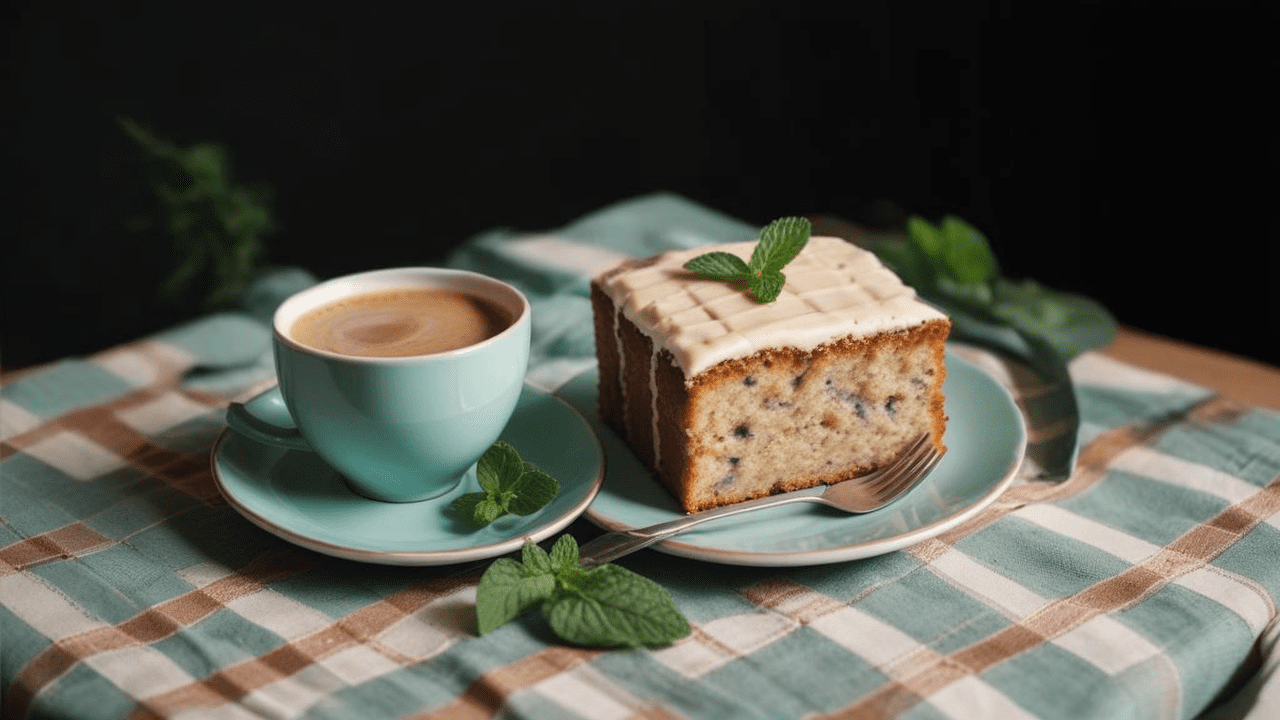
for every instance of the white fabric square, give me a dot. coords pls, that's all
(592, 694)
(167, 411)
(358, 664)
(139, 671)
(723, 639)
(433, 628)
(46, 610)
(130, 365)
(1107, 643)
(291, 696)
(874, 640)
(281, 615)
(75, 456)
(202, 574)
(970, 697)
(15, 420)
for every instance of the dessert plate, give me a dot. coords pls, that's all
(295, 495)
(985, 438)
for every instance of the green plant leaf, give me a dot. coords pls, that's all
(606, 605)
(535, 559)
(780, 242)
(509, 485)
(499, 467)
(952, 265)
(1068, 323)
(968, 255)
(488, 509)
(611, 606)
(768, 285)
(721, 266)
(215, 225)
(564, 554)
(507, 590)
(464, 506)
(532, 491)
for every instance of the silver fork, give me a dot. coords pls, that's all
(856, 495)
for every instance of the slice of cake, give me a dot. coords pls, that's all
(727, 398)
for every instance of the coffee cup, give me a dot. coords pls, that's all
(399, 379)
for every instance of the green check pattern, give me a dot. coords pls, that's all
(1143, 587)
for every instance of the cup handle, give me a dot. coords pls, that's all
(265, 418)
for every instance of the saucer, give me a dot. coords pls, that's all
(295, 495)
(986, 440)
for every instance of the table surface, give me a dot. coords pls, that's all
(1143, 585)
(1245, 380)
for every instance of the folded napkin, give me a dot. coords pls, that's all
(1143, 586)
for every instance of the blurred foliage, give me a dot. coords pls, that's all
(952, 265)
(215, 225)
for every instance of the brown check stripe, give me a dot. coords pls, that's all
(185, 471)
(234, 682)
(924, 672)
(913, 678)
(72, 540)
(149, 626)
(1193, 550)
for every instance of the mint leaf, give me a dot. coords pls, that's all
(535, 559)
(952, 265)
(499, 465)
(507, 590)
(1069, 324)
(968, 254)
(509, 486)
(606, 605)
(609, 605)
(767, 285)
(532, 491)
(564, 554)
(780, 242)
(487, 510)
(721, 266)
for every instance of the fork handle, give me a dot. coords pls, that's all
(613, 545)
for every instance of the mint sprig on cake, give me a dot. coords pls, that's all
(780, 242)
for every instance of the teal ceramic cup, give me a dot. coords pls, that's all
(399, 429)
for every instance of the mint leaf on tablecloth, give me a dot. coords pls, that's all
(611, 606)
(780, 242)
(507, 590)
(564, 553)
(509, 486)
(601, 606)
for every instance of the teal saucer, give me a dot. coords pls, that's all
(986, 440)
(296, 496)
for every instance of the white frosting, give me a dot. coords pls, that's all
(834, 290)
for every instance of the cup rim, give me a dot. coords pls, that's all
(332, 289)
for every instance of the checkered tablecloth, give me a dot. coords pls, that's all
(1143, 587)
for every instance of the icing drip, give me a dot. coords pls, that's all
(653, 406)
(622, 359)
(834, 289)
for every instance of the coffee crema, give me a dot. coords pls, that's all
(400, 322)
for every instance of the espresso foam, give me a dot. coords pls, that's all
(400, 323)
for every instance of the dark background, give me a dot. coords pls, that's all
(1121, 150)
